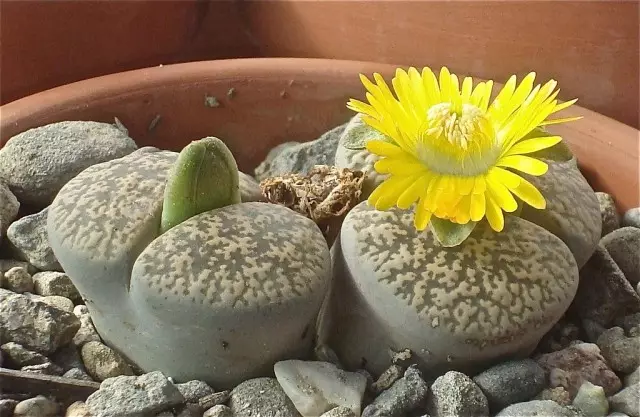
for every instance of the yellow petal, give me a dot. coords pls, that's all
(525, 164)
(445, 84)
(508, 178)
(501, 195)
(494, 215)
(413, 192)
(556, 121)
(533, 145)
(386, 149)
(480, 185)
(463, 210)
(362, 107)
(422, 215)
(399, 166)
(431, 88)
(478, 206)
(528, 193)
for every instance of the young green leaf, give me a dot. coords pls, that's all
(451, 234)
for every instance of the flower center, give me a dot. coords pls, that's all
(458, 141)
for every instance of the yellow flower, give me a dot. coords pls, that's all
(452, 150)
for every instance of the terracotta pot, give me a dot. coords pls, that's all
(277, 100)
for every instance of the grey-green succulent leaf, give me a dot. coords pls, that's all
(450, 234)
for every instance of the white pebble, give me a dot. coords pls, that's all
(17, 279)
(39, 406)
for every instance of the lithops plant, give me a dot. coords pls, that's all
(182, 276)
(450, 256)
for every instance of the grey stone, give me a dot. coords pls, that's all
(591, 400)
(576, 364)
(18, 279)
(511, 382)
(87, 332)
(78, 409)
(7, 406)
(47, 368)
(191, 410)
(315, 387)
(192, 391)
(558, 394)
(632, 217)
(214, 399)
(538, 408)
(622, 353)
(102, 362)
(261, 397)
(35, 325)
(631, 324)
(28, 235)
(406, 395)
(627, 401)
(36, 163)
(68, 357)
(55, 283)
(604, 293)
(131, 396)
(77, 373)
(17, 356)
(609, 212)
(9, 207)
(218, 411)
(339, 412)
(633, 378)
(39, 406)
(455, 393)
(57, 301)
(387, 378)
(624, 247)
(296, 157)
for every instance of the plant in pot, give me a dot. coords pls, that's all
(463, 225)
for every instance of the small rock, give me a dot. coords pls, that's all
(191, 410)
(633, 378)
(142, 395)
(78, 409)
(339, 412)
(620, 352)
(9, 207)
(557, 394)
(261, 397)
(55, 283)
(632, 217)
(407, 394)
(604, 293)
(574, 365)
(315, 387)
(36, 163)
(35, 325)
(67, 358)
(57, 301)
(631, 324)
(616, 414)
(39, 406)
(216, 398)
(18, 279)
(295, 157)
(102, 362)
(538, 408)
(387, 378)
(6, 407)
(87, 332)
(17, 356)
(29, 237)
(77, 373)
(627, 401)
(511, 382)
(218, 411)
(455, 393)
(591, 400)
(609, 212)
(47, 368)
(402, 357)
(192, 391)
(624, 247)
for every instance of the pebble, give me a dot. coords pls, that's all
(455, 393)
(624, 247)
(55, 283)
(218, 411)
(576, 364)
(604, 293)
(35, 164)
(407, 394)
(57, 301)
(47, 368)
(9, 208)
(191, 410)
(511, 382)
(609, 212)
(591, 400)
(87, 332)
(538, 408)
(632, 217)
(18, 356)
(387, 378)
(261, 397)
(633, 378)
(627, 401)
(29, 237)
(192, 391)
(78, 409)
(216, 398)
(557, 394)
(315, 387)
(6, 407)
(67, 358)
(77, 373)
(142, 395)
(18, 279)
(339, 412)
(620, 352)
(35, 325)
(631, 324)
(39, 406)
(102, 362)
(298, 157)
